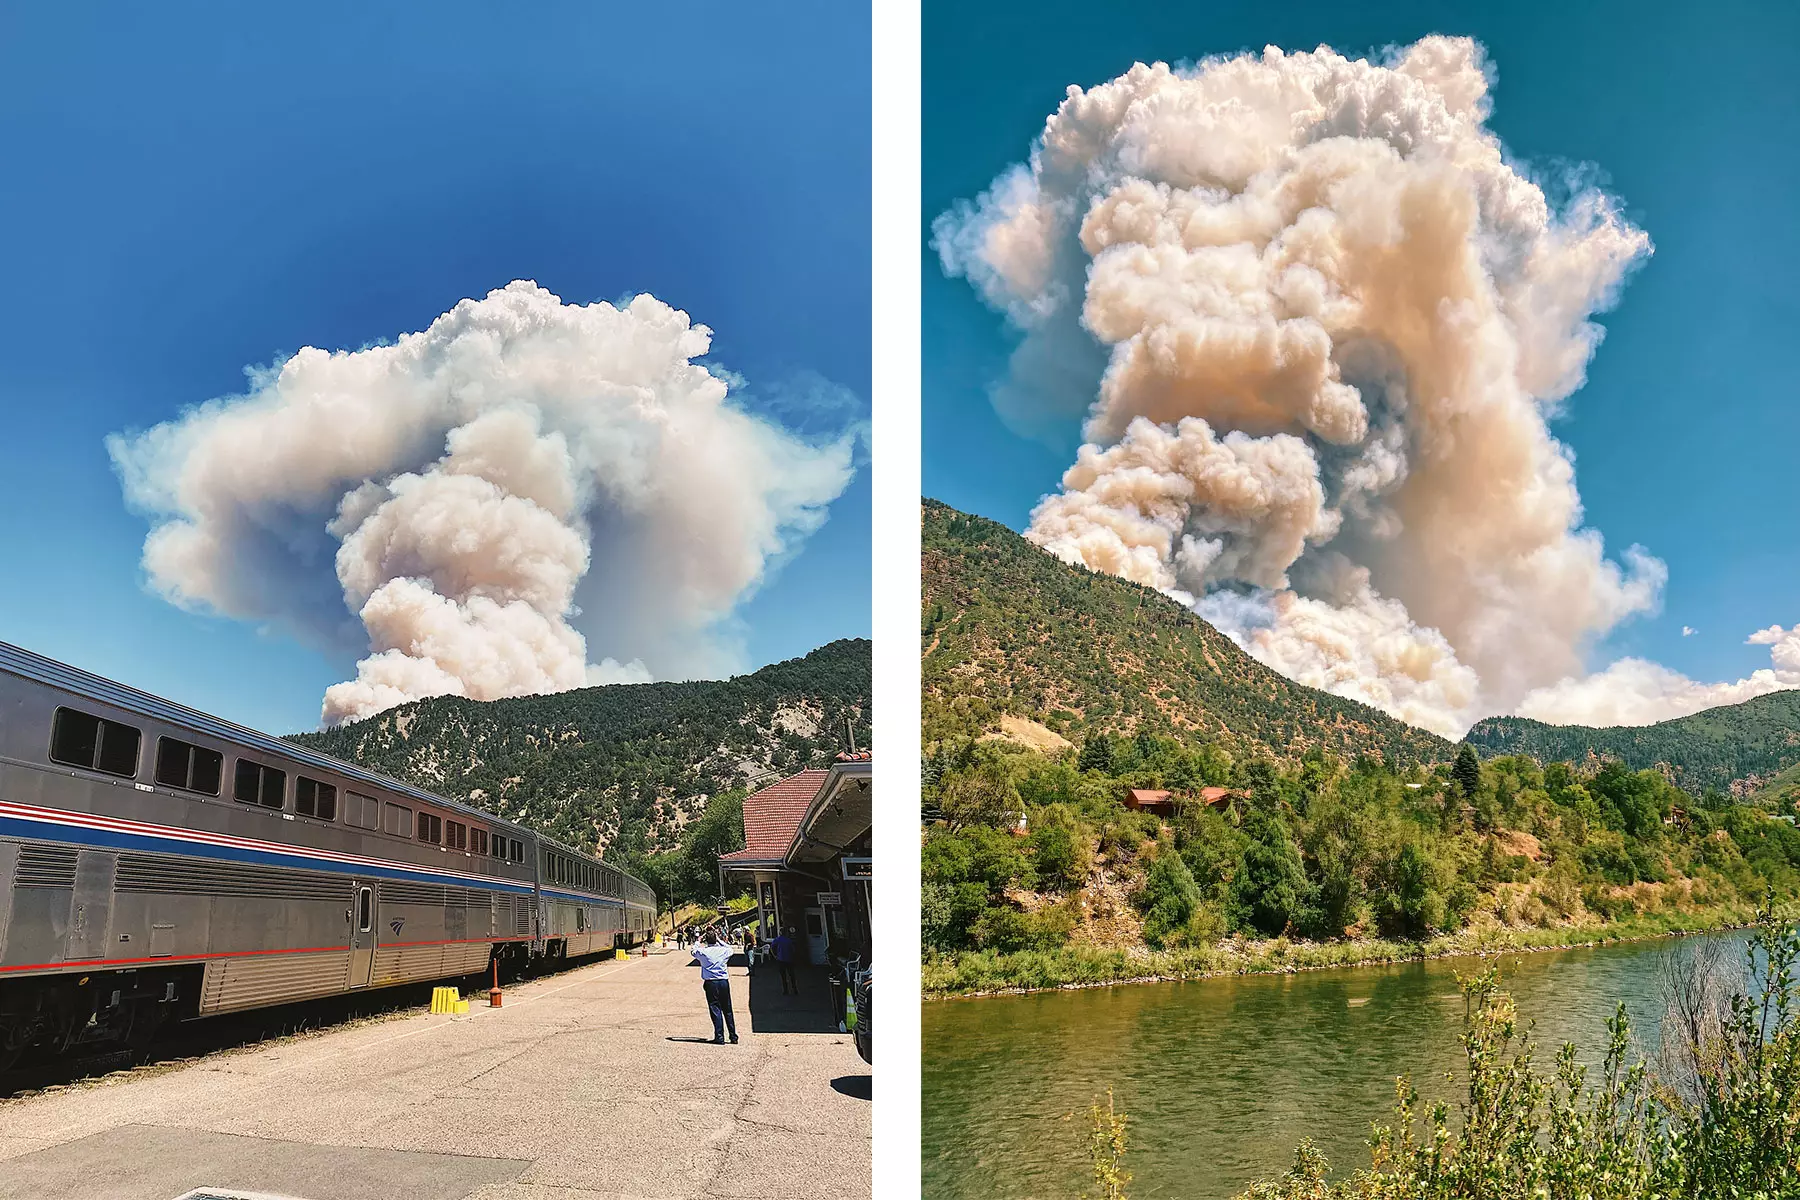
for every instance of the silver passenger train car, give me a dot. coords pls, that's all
(158, 864)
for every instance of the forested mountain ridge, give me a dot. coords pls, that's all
(620, 767)
(1010, 629)
(1737, 747)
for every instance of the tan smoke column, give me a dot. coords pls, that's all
(1336, 320)
(442, 501)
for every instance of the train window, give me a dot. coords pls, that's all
(431, 829)
(456, 835)
(478, 841)
(362, 810)
(517, 849)
(83, 740)
(188, 767)
(397, 820)
(315, 799)
(363, 906)
(257, 784)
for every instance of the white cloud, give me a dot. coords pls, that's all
(1634, 692)
(488, 504)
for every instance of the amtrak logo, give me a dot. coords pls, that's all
(396, 924)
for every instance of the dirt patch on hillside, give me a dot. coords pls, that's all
(1030, 733)
(1517, 841)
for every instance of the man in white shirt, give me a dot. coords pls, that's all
(712, 955)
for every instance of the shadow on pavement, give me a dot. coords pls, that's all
(809, 1011)
(704, 1041)
(859, 1087)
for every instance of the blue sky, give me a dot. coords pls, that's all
(1686, 432)
(196, 188)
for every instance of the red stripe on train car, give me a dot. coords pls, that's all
(81, 964)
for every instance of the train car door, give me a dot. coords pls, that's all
(362, 934)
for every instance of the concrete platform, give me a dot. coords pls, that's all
(593, 1083)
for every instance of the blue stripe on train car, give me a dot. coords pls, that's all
(53, 831)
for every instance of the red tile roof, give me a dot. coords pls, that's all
(772, 815)
(1147, 796)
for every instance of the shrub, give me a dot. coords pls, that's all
(1169, 899)
(981, 795)
(1409, 903)
(1059, 850)
(1724, 1126)
(1269, 891)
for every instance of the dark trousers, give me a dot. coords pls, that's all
(787, 979)
(718, 1003)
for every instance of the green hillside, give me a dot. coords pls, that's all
(1739, 747)
(620, 767)
(1781, 791)
(1010, 630)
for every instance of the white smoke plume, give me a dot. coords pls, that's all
(485, 504)
(1336, 320)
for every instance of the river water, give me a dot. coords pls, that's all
(1221, 1078)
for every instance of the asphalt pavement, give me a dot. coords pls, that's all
(600, 1082)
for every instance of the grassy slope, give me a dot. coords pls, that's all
(1781, 791)
(1010, 629)
(627, 761)
(1739, 746)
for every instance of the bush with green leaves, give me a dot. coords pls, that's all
(1270, 890)
(1718, 1120)
(1169, 899)
(1059, 849)
(1409, 890)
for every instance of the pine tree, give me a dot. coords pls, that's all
(1467, 771)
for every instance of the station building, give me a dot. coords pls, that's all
(807, 857)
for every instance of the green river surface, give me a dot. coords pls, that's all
(1221, 1078)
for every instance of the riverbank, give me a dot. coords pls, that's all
(986, 973)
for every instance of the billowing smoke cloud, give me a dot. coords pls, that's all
(1335, 320)
(484, 505)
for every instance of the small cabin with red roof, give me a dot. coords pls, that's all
(1165, 803)
(1150, 800)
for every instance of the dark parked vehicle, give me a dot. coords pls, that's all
(864, 1030)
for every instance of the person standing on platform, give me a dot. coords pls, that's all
(713, 954)
(787, 948)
